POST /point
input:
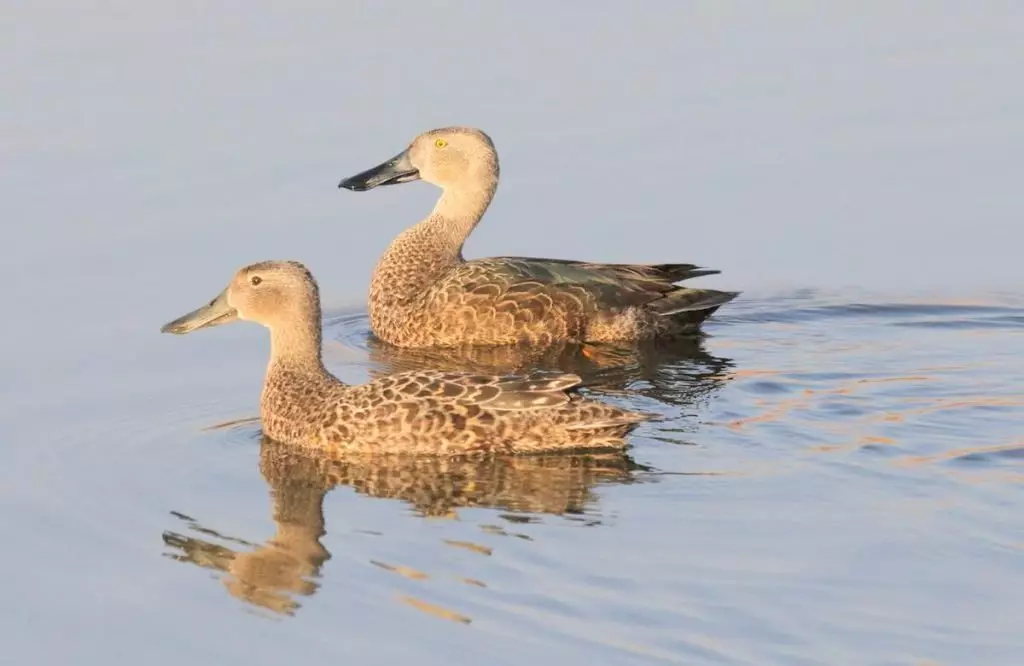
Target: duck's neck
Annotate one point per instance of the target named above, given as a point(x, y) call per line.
point(459, 210)
point(421, 254)
point(296, 379)
point(295, 353)
point(297, 349)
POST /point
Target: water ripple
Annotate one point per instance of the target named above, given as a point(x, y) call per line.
point(815, 452)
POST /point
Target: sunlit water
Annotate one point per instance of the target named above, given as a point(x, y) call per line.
point(836, 475)
point(826, 482)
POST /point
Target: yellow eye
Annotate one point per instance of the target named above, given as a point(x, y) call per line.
point(440, 143)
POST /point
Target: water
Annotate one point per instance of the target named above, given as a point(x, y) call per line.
point(836, 477)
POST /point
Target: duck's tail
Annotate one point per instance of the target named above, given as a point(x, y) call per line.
point(600, 425)
point(688, 308)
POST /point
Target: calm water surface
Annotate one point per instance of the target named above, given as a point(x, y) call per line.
point(837, 474)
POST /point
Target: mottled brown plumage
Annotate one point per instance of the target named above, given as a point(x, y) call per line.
point(424, 293)
point(421, 412)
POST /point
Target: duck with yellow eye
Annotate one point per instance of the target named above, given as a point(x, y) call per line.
point(425, 294)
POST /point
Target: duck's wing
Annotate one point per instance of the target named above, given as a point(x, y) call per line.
point(595, 286)
point(494, 392)
point(567, 270)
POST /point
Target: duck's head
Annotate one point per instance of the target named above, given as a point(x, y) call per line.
point(448, 157)
point(271, 293)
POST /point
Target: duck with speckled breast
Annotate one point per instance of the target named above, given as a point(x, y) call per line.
point(425, 411)
point(424, 293)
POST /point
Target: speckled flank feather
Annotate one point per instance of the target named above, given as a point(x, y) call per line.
point(411, 412)
point(424, 293)
point(435, 412)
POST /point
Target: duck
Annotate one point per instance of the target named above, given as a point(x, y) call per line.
point(420, 411)
point(424, 293)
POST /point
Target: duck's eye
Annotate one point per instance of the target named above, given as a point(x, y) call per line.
point(440, 143)
point(255, 280)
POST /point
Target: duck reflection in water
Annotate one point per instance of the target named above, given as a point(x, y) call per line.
point(288, 564)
